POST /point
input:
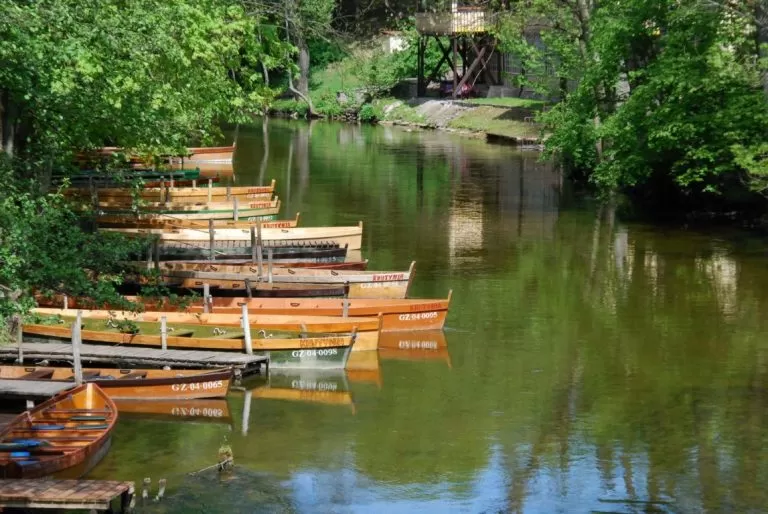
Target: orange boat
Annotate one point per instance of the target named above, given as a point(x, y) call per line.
point(176, 194)
point(398, 315)
point(172, 223)
point(64, 436)
point(153, 384)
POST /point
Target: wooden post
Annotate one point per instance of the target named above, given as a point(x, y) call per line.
point(247, 331)
point(303, 334)
point(269, 265)
point(164, 332)
point(211, 233)
point(76, 339)
point(229, 191)
point(259, 249)
point(248, 291)
point(149, 256)
point(246, 411)
point(66, 302)
point(210, 189)
point(19, 334)
point(171, 179)
point(346, 289)
point(156, 247)
point(236, 210)
point(345, 307)
point(194, 183)
point(206, 294)
point(253, 245)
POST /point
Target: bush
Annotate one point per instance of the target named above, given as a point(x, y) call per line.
point(370, 113)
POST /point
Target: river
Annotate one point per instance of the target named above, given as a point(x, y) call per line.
point(589, 364)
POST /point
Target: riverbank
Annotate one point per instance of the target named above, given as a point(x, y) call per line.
point(499, 120)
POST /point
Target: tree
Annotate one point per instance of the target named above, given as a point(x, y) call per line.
point(76, 74)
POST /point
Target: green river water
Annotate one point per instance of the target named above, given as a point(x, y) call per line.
point(589, 364)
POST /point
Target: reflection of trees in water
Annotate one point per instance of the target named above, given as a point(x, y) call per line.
point(662, 375)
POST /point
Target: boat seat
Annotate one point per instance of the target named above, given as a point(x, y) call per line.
point(79, 411)
point(134, 375)
point(38, 374)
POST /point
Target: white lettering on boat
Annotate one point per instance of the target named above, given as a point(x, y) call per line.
point(198, 386)
point(323, 352)
point(415, 316)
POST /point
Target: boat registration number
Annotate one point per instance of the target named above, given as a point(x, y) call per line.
point(198, 386)
point(414, 316)
point(322, 352)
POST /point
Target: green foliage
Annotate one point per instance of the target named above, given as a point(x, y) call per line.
point(668, 96)
point(370, 113)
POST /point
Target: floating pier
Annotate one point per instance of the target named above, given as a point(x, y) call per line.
point(31, 389)
point(138, 357)
point(40, 494)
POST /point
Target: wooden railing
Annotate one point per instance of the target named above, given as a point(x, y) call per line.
point(465, 20)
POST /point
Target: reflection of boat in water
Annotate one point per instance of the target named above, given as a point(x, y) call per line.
point(364, 367)
point(215, 410)
point(315, 386)
point(415, 345)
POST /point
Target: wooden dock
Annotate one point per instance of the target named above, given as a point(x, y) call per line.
point(138, 357)
point(31, 389)
point(66, 494)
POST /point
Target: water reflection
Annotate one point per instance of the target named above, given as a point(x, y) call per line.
point(594, 364)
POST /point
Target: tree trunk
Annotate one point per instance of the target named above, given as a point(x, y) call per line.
point(761, 23)
point(303, 82)
point(10, 114)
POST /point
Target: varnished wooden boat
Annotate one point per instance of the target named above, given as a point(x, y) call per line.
point(351, 237)
point(285, 263)
point(397, 315)
point(362, 284)
point(208, 210)
point(64, 436)
point(214, 410)
point(151, 384)
point(323, 352)
point(210, 331)
point(197, 287)
point(177, 195)
point(174, 251)
point(172, 223)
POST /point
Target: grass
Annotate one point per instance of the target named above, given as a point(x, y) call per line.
point(508, 102)
point(402, 113)
point(491, 120)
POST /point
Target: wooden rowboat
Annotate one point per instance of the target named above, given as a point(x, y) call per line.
point(362, 284)
point(324, 352)
point(199, 224)
point(126, 195)
point(317, 253)
point(64, 436)
point(152, 384)
point(210, 331)
point(397, 315)
point(428, 345)
point(187, 287)
point(258, 211)
point(351, 237)
point(314, 386)
point(285, 263)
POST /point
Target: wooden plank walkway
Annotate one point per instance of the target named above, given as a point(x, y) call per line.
point(30, 389)
point(138, 357)
point(65, 494)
